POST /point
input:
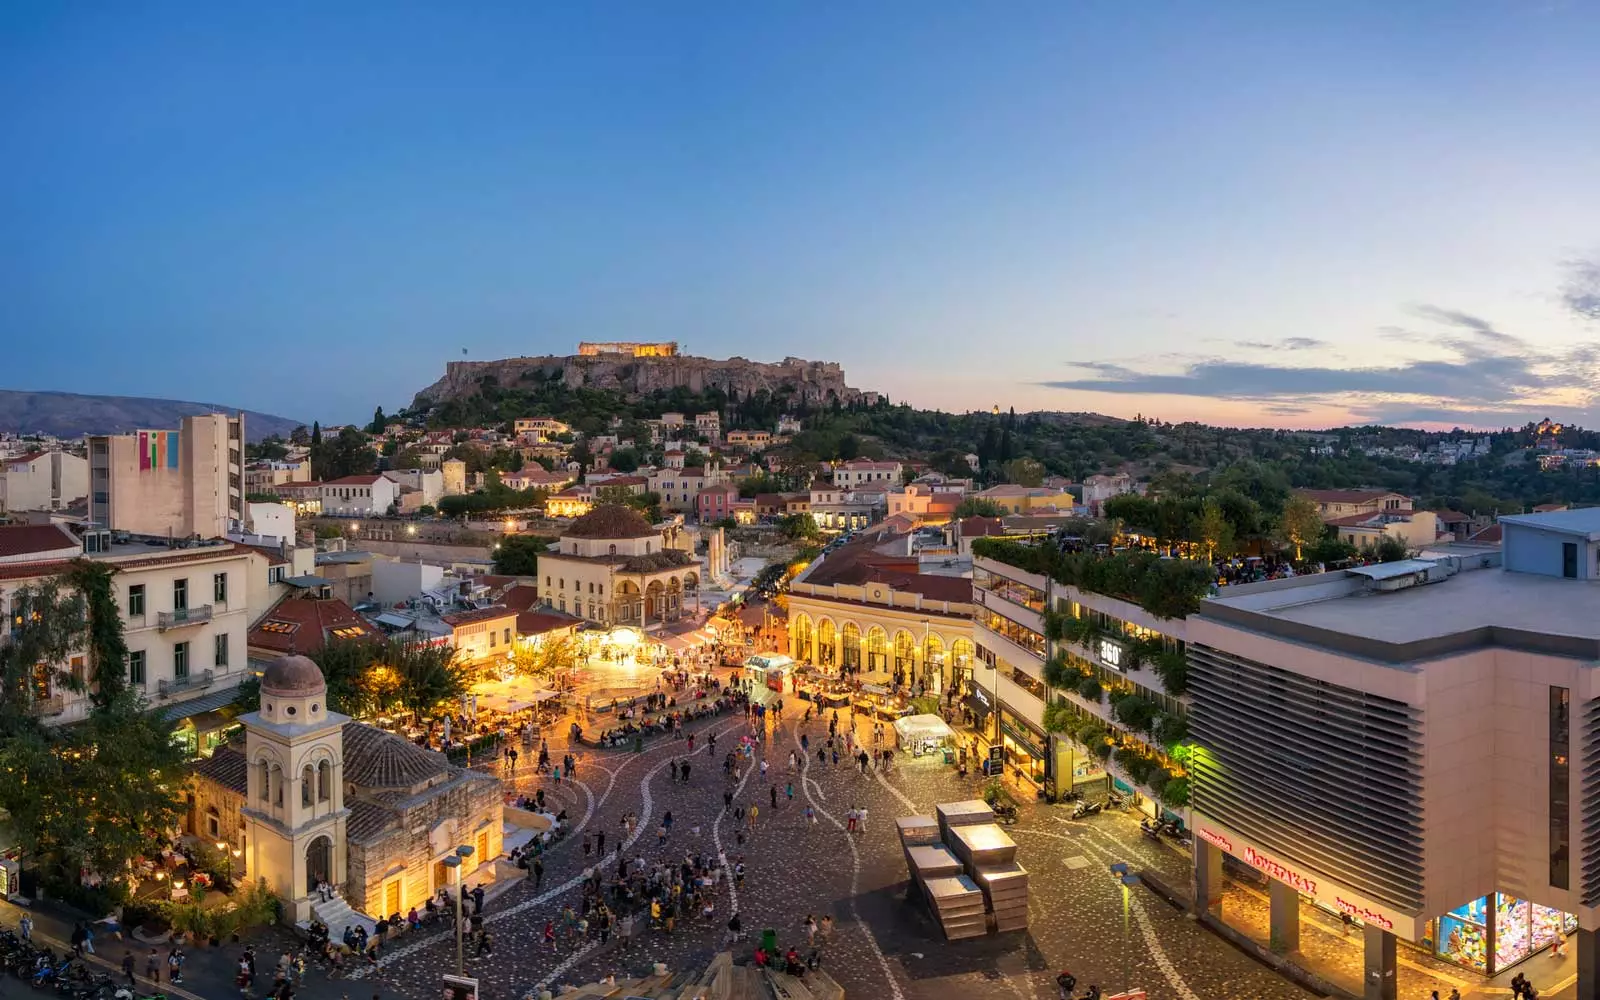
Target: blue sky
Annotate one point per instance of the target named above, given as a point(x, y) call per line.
point(1254, 213)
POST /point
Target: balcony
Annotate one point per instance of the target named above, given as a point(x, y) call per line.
point(54, 705)
point(184, 617)
point(184, 685)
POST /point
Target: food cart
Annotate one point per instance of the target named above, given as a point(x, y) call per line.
point(769, 670)
point(925, 734)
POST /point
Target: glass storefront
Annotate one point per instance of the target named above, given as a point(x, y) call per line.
point(1474, 937)
point(1024, 746)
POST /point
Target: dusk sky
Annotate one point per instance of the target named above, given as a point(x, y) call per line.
point(1275, 213)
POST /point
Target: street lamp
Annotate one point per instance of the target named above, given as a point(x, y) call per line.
point(454, 863)
point(222, 846)
point(1128, 880)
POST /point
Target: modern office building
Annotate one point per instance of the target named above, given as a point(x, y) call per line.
point(187, 482)
point(1413, 744)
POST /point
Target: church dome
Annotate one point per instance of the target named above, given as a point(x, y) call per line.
point(292, 677)
point(611, 521)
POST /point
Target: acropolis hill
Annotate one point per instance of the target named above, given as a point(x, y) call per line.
point(639, 369)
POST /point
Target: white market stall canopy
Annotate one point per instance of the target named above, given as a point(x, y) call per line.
point(922, 727)
point(509, 696)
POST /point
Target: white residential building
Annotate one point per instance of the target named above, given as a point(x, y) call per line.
point(43, 480)
point(362, 495)
point(859, 472)
point(428, 482)
point(185, 612)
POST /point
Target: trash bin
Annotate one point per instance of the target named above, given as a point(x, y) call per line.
point(769, 940)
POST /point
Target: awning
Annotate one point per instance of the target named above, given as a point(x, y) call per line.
point(308, 581)
point(922, 727)
point(395, 621)
point(545, 695)
point(209, 722)
point(874, 689)
point(189, 707)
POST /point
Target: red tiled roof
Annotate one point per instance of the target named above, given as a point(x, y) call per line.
point(1375, 517)
point(227, 767)
point(1492, 535)
point(978, 527)
point(1450, 516)
point(43, 540)
point(304, 625)
point(30, 456)
point(522, 597)
point(354, 480)
point(273, 555)
point(540, 622)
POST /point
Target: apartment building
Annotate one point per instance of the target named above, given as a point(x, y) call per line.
point(261, 477)
point(185, 612)
point(680, 488)
point(183, 483)
point(1334, 504)
point(748, 440)
point(429, 483)
point(43, 480)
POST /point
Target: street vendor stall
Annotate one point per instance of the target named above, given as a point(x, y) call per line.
point(923, 734)
point(770, 671)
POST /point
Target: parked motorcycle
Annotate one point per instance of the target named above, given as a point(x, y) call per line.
point(1083, 809)
point(1005, 813)
point(1151, 831)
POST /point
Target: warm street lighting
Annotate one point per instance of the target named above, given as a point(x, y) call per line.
point(222, 845)
point(453, 862)
point(1128, 880)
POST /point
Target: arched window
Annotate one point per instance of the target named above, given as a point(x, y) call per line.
point(266, 781)
point(307, 779)
point(827, 643)
point(613, 550)
point(905, 653)
point(850, 646)
point(877, 650)
point(324, 781)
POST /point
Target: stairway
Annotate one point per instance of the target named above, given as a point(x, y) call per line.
point(338, 915)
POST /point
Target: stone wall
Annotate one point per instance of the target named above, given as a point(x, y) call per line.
point(409, 854)
point(209, 795)
point(817, 382)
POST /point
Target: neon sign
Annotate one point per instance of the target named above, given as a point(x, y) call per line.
point(1111, 654)
point(1213, 837)
point(1281, 872)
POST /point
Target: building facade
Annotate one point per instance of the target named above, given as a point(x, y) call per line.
point(612, 567)
point(43, 480)
point(360, 495)
point(1441, 721)
point(182, 483)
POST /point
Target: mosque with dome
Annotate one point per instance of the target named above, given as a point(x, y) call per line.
point(612, 567)
point(313, 796)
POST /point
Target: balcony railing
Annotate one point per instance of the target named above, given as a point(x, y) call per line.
point(53, 705)
point(181, 618)
point(190, 682)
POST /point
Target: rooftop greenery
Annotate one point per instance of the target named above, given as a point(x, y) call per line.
point(1167, 588)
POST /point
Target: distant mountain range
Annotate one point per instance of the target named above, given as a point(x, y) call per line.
point(69, 415)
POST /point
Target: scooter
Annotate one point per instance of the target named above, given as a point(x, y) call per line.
point(1083, 809)
point(1151, 831)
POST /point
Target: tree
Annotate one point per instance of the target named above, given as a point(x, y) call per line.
point(1023, 471)
point(1216, 531)
point(378, 422)
point(624, 460)
point(1302, 522)
point(518, 555)
point(106, 649)
point(349, 454)
point(1391, 549)
point(800, 527)
point(979, 507)
point(300, 436)
point(543, 660)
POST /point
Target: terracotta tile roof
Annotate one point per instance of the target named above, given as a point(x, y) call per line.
point(1492, 535)
point(176, 557)
point(978, 527)
point(227, 767)
point(369, 821)
point(546, 620)
point(273, 555)
point(44, 540)
point(376, 759)
point(1450, 516)
point(367, 480)
point(476, 615)
point(522, 597)
point(1375, 518)
point(304, 625)
point(934, 588)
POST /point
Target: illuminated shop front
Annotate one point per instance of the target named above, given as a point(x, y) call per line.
point(1025, 746)
point(1490, 934)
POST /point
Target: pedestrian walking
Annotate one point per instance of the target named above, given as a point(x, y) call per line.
point(538, 872)
point(127, 967)
point(788, 790)
point(811, 815)
point(850, 820)
point(755, 810)
point(774, 791)
point(685, 770)
point(152, 967)
point(600, 843)
point(861, 819)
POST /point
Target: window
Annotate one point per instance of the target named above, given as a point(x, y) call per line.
point(213, 822)
point(324, 779)
point(136, 601)
point(136, 666)
point(77, 670)
point(222, 652)
point(180, 595)
point(493, 638)
point(1560, 797)
point(307, 778)
point(274, 574)
point(219, 588)
point(180, 661)
point(1569, 560)
point(508, 633)
point(266, 781)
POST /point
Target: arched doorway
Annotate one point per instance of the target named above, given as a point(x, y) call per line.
point(877, 650)
point(319, 863)
point(801, 638)
point(850, 647)
point(905, 657)
point(655, 601)
point(827, 643)
point(933, 663)
point(629, 604)
point(960, 661)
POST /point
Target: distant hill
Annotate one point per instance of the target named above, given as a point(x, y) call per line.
point(68, 414)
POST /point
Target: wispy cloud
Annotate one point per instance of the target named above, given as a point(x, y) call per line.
point(1580, 292)
point(1287, 344)
point(1482, 375)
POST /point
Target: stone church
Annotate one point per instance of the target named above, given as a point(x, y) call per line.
point(314, 796)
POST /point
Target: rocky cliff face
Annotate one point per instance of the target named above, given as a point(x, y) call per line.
point(817, 382)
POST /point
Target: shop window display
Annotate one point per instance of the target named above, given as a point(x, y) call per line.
point(1513, 930)
point(1463, 938)
point(1548, 923)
